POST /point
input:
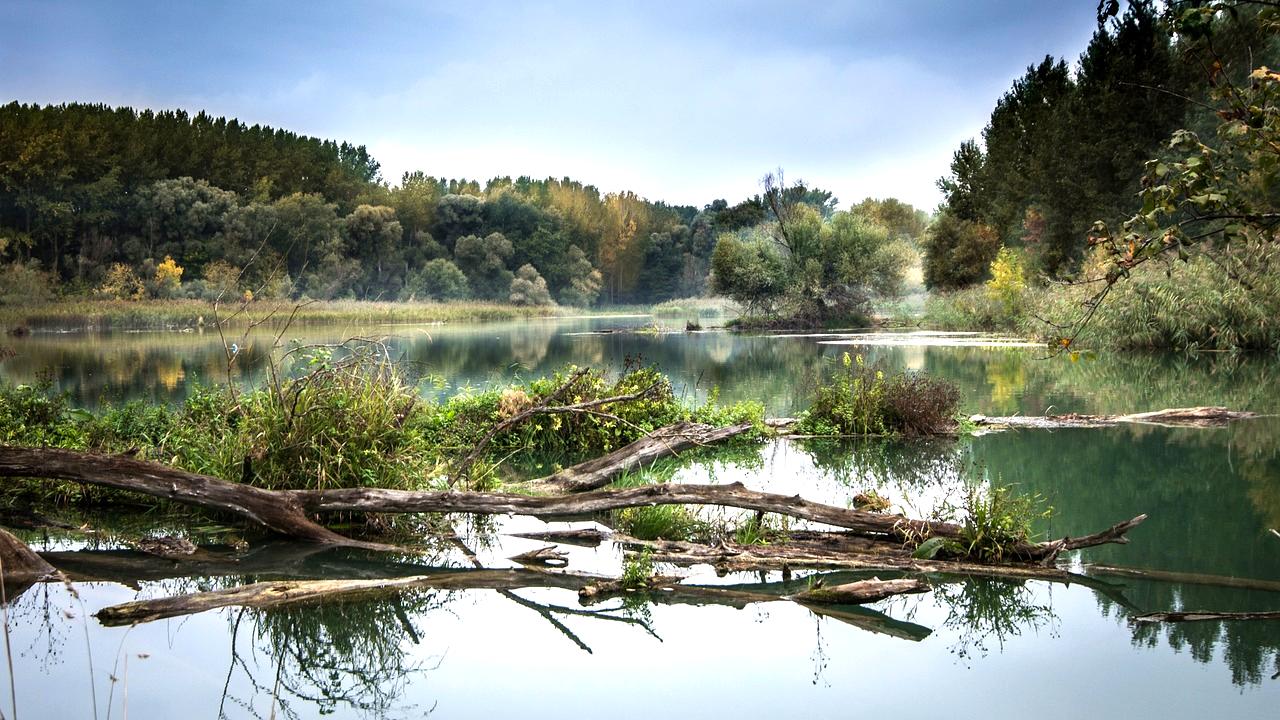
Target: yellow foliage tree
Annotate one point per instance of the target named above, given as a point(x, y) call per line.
point(121, 283)
point(1008, 281)
point(168, 278)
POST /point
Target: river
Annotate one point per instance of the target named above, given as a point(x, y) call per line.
point(969, 648)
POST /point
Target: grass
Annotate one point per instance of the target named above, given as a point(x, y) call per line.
point(638, 570)
point(86, 313)
point(353, 421)
point(1190, 307)
point(994, 521)
point(76, 314)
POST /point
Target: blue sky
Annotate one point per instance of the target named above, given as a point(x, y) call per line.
point(678, 101)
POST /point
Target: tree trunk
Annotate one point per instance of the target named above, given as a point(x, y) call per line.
point(286, 511)
point(661, 443)
point(275, 511)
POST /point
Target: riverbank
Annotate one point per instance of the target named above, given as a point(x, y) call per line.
point(84, 314)
point(74, 314)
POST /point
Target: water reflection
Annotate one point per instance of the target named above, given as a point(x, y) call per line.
point(1211, 496)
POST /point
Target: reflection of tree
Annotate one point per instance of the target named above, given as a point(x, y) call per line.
point(982, 610)
point(905, 465)
point(1250, 649)
point(334, 655)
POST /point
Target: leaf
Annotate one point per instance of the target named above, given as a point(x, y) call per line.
point(929, 548)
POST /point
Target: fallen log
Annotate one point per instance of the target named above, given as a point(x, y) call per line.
point(1201, 615)
point(862, 591)
point(273, 510)
point(585, 537)
point(843, 551)
point(264, 595)
point(661, 443)
point(287, 511)
point(1202, 417)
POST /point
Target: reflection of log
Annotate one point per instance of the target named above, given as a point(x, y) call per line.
point(862, 591)
point(19, 563)
point(1186, 578)
point(872, 621)
point(661, 443)
point(286, 511)
point(1199, 615)
point(265, 595)
point(1176, 417)
point(282, 560)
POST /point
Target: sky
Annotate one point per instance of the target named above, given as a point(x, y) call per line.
point(684, 102)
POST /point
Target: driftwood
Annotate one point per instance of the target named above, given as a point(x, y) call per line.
point(661, 443)
point(287, 511)
point(275, 511)
point(1203, 417)
point(863, 591)
point(845, 551)
point(266, 595)
point(1199, 615)
point(585, 537)
point(547, 556)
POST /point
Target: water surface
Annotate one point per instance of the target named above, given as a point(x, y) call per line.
point(981, 647)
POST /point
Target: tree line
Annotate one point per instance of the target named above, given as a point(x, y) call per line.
point(130, 204)
point(1067, 147)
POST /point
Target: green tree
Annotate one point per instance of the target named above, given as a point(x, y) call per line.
point(957, 252)
point(374, 238)
point(484, 262)
point(528, 288)
point(439, 279)
point(584, 280)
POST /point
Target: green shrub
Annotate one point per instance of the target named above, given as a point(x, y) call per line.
point(860, 400)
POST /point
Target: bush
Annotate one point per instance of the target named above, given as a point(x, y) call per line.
point(916, 404)
point(529, 288)
point(439, 279)
point(957, 253)
point(860, 400)
point(25, 284)
point(356, 422)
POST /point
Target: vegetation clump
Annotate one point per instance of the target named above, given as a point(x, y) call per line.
point(860, 399)
point(354, 420)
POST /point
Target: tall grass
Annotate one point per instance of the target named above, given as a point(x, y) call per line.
point(1192, 306)
point(74, 314)
point(355, 421)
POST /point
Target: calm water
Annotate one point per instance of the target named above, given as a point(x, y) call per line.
point(998, 649)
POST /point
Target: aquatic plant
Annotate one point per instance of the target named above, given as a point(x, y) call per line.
point(353, 419)
point(860, 399)
point(637, 570)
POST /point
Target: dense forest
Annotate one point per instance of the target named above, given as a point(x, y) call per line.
point(120, 203)
point(1068, 146)
point(1132, 197)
